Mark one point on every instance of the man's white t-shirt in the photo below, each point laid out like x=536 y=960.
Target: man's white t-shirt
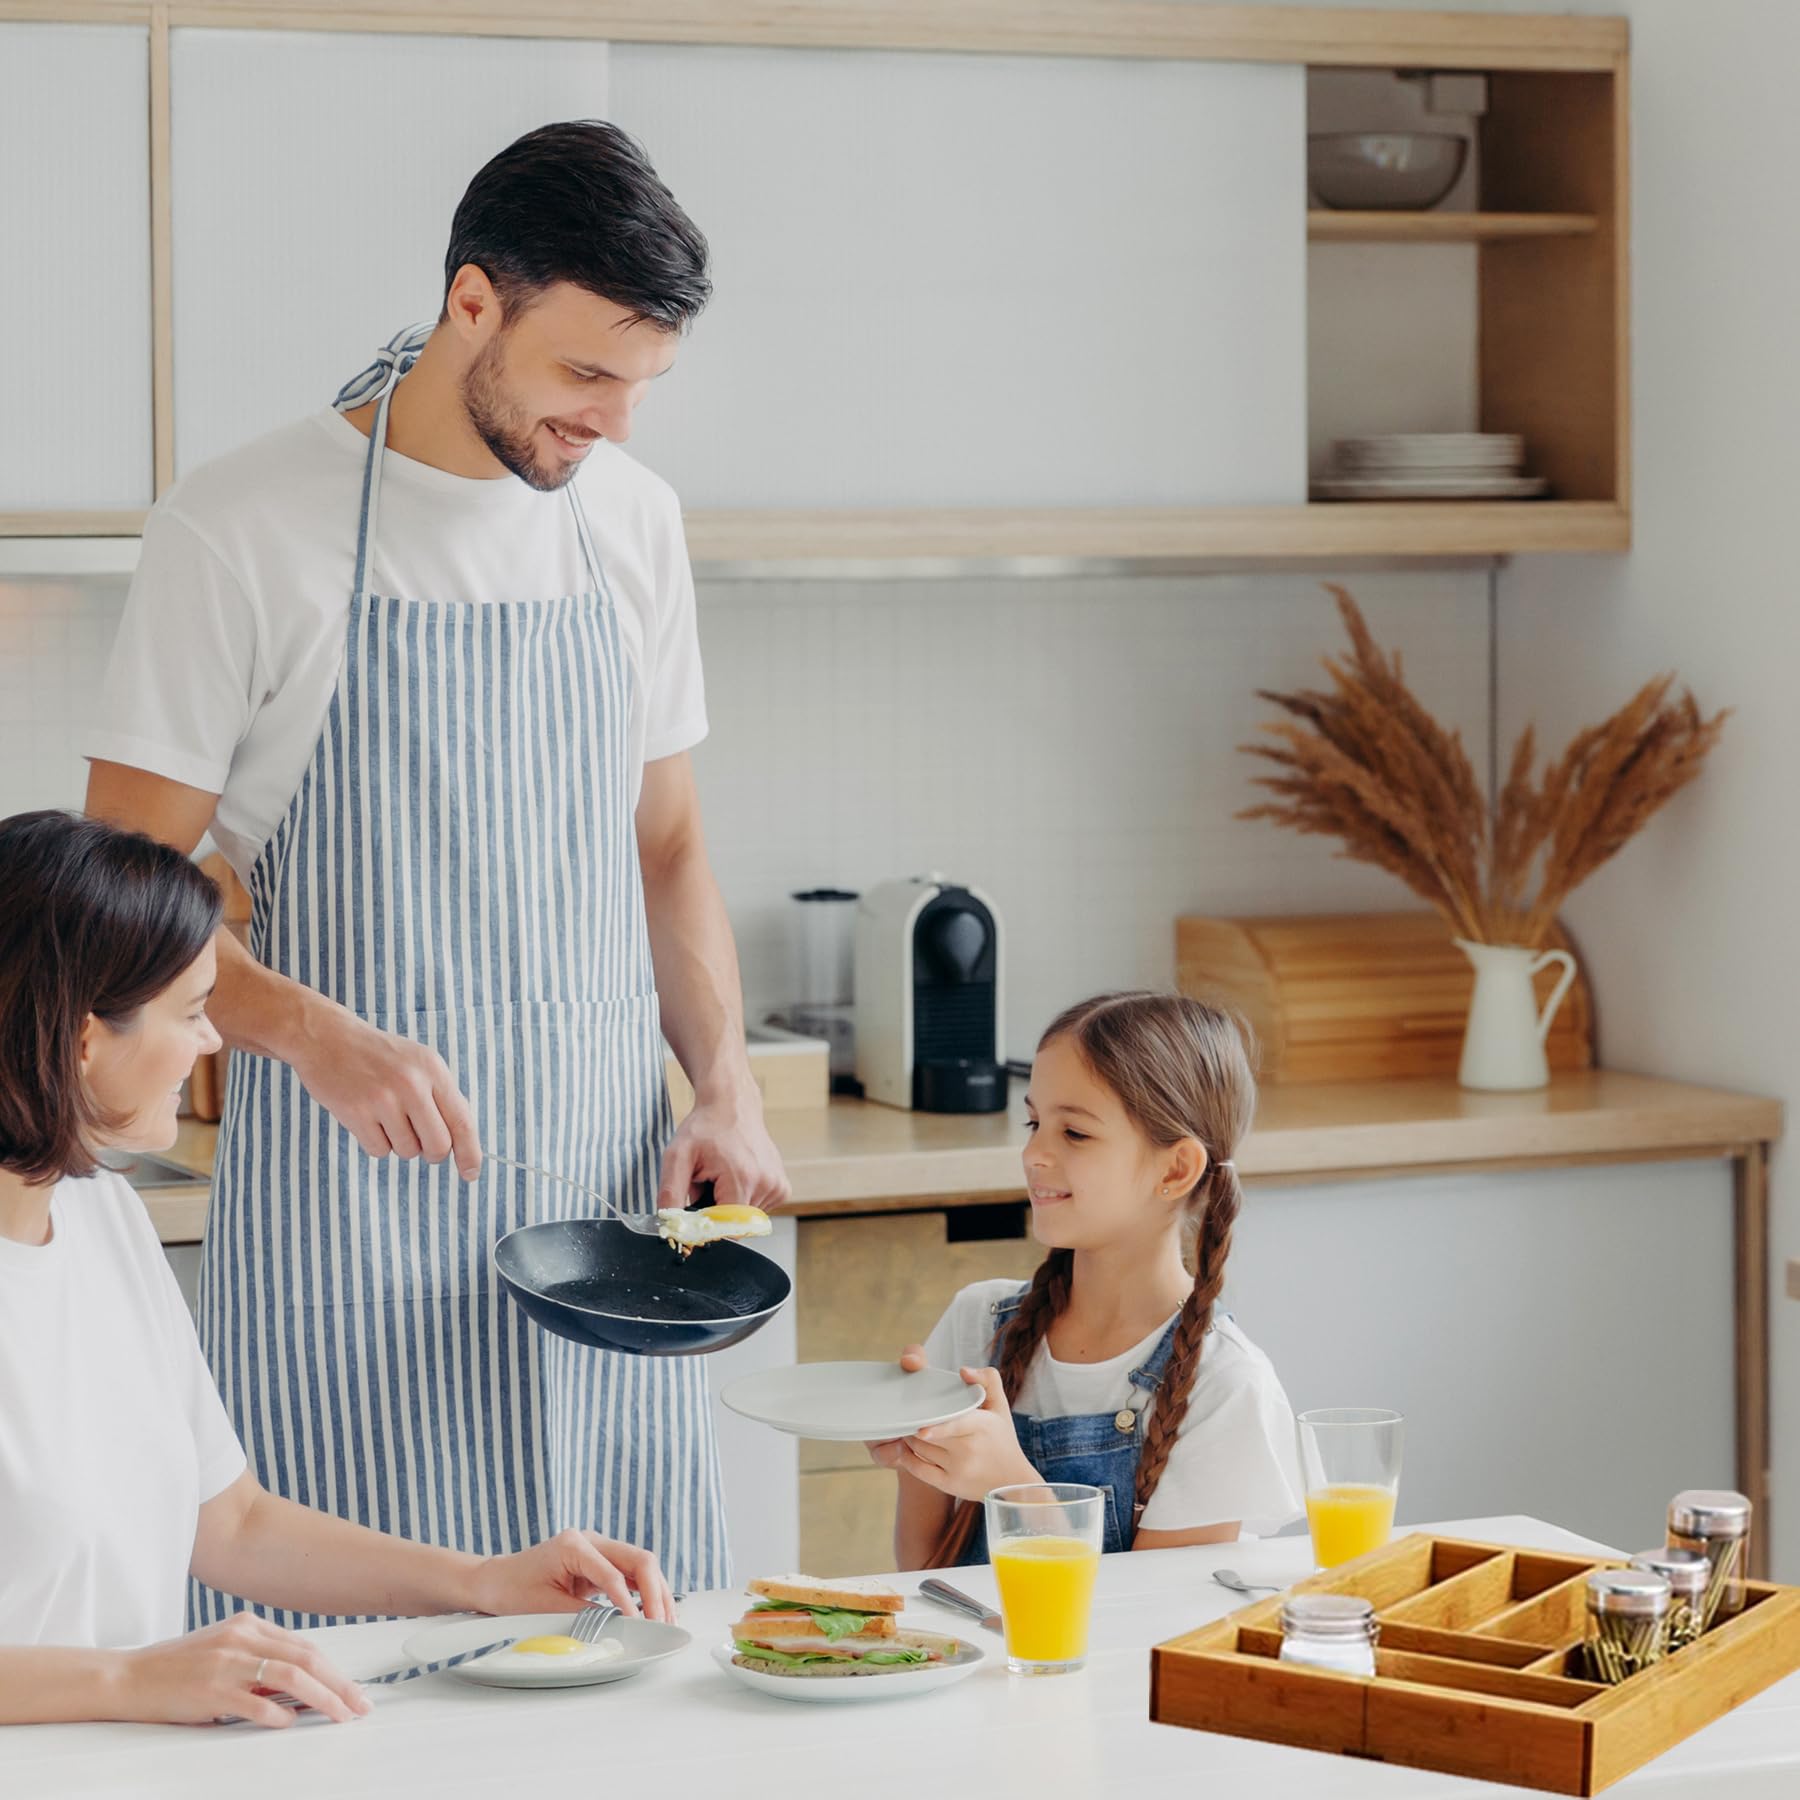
x=233 y=632
x=1234 y=1456
x=112 y=1435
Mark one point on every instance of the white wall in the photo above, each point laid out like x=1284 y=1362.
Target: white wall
x=1689 y=934
x=54 y=637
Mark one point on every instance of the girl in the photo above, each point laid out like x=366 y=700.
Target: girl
x=1109 y=1365
x=119 y=1474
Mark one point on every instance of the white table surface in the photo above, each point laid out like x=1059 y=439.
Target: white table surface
x=684 y=1728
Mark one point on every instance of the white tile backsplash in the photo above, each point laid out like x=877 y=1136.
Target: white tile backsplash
x=1068 y=746
x=54 y=638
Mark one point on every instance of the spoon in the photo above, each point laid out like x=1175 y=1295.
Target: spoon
x=1232 y=1579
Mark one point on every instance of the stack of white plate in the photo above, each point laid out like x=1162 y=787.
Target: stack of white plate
x=1429 y=465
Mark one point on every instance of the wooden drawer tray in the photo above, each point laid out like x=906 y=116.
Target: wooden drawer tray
x=1472 y=1671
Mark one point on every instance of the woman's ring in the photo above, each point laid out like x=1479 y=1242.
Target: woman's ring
x=261 y=1668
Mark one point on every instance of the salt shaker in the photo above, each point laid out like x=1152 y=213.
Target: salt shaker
x=1329 y=1631
x=1688 y=1574
x=1715 y=1522
x=1626 y=1611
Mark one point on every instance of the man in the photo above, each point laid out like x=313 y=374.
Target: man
x=435 y=707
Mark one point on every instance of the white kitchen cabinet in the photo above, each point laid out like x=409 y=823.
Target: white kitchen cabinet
x=981 y=281
x=315 y=175
x=75 y=303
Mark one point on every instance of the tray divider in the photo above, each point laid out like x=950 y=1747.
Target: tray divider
x=1549 y=1616
x=1427 y=1640
x=1460 y=1602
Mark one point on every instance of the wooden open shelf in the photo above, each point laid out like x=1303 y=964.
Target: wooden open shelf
x=1434 y=528
x=1325 y=226
x=1477 y=1671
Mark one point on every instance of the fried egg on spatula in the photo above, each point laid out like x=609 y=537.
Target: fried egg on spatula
x=688 y=1231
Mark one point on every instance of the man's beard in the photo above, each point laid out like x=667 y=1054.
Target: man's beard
x=505 y=428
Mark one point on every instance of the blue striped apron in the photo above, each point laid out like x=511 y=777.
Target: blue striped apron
x=459 y=866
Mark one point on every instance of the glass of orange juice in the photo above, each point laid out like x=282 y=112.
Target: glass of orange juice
x=1044 y=1541
x=1350 y=1459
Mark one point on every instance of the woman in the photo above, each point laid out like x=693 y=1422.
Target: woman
x=119 y=1473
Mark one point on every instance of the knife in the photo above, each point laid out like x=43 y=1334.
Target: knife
x=954 y=1598
x=409 y=1670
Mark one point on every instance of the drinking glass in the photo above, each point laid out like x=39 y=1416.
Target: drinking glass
x=1044 y=1542
x=1350 y=1461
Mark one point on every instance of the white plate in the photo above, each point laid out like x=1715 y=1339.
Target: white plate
x=1430 y=487
x=1487 y=451
x=642 y=1641
x=847 y=1402
x=901 y=1684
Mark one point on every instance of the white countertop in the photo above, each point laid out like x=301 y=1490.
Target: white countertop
x=685 y=1729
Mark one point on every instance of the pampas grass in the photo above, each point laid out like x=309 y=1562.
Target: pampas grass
x=1364 y=762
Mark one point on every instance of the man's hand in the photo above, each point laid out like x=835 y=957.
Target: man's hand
x=726 y=1143
x=395 y=1097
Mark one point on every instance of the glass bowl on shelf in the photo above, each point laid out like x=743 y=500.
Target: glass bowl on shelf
x=1383 y=171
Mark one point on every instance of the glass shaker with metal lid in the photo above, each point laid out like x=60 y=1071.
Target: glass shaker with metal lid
x=1715 y=1522
x=1688 y=1574
x=1626 y=1614
x=1329 y=1631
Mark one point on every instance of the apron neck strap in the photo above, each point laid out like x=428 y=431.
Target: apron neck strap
x=596 y=579
x=371 y=499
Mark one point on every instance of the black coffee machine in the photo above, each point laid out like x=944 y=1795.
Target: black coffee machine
x=928 y=997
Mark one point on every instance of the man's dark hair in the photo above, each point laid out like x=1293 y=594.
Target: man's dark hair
x=92 y=920
x=579 y=202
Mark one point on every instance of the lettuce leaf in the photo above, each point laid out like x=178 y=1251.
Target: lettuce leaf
x=834 y=1622
x=900 y=1654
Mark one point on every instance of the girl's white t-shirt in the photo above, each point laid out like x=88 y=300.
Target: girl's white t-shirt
x=112 y=1435
x=232 y=637
x=1234 y=1456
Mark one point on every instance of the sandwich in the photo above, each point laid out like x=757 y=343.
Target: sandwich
x=809 y=1628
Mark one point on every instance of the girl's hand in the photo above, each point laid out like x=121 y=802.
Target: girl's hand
x=562 y=1572
x=964 y=1457
x=226 y=1670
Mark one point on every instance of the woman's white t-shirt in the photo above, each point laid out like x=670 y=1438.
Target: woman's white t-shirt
x=112 y=1435
x=233 y=632
x=1234 y=1456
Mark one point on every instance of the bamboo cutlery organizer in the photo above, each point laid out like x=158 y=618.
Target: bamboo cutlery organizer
x=1478 y=1671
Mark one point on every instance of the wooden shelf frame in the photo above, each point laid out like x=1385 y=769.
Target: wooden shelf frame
x=1326 y=226
x=1534 y=49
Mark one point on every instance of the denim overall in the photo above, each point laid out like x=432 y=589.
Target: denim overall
x=1100 y=1449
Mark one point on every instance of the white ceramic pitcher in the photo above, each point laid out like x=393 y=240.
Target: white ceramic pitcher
x=1503 y=1046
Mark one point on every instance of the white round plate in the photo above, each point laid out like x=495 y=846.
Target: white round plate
x=847 y=1402
x=901 y=1684
x=642 y=1643
x=1428 y=487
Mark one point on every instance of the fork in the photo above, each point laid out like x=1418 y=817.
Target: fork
x=592 y=1621
x=644 y=1224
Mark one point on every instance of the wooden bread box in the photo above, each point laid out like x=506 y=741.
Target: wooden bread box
x=1358 y=996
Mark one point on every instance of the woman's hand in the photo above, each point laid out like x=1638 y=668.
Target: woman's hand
x=226 y=1671
x=964 y=1457
x=568 y=1569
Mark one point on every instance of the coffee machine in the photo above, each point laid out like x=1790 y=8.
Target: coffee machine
x=929 y=996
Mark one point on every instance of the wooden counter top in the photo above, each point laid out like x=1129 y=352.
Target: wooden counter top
x=853 y=1156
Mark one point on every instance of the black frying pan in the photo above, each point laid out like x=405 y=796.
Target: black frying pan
x=598 y=1282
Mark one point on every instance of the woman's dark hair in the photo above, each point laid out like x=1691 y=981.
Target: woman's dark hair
x=93 y=920
x=579 y=202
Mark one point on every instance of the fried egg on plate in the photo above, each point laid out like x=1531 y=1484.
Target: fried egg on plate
x=552 y=1654
x=709 y=1224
